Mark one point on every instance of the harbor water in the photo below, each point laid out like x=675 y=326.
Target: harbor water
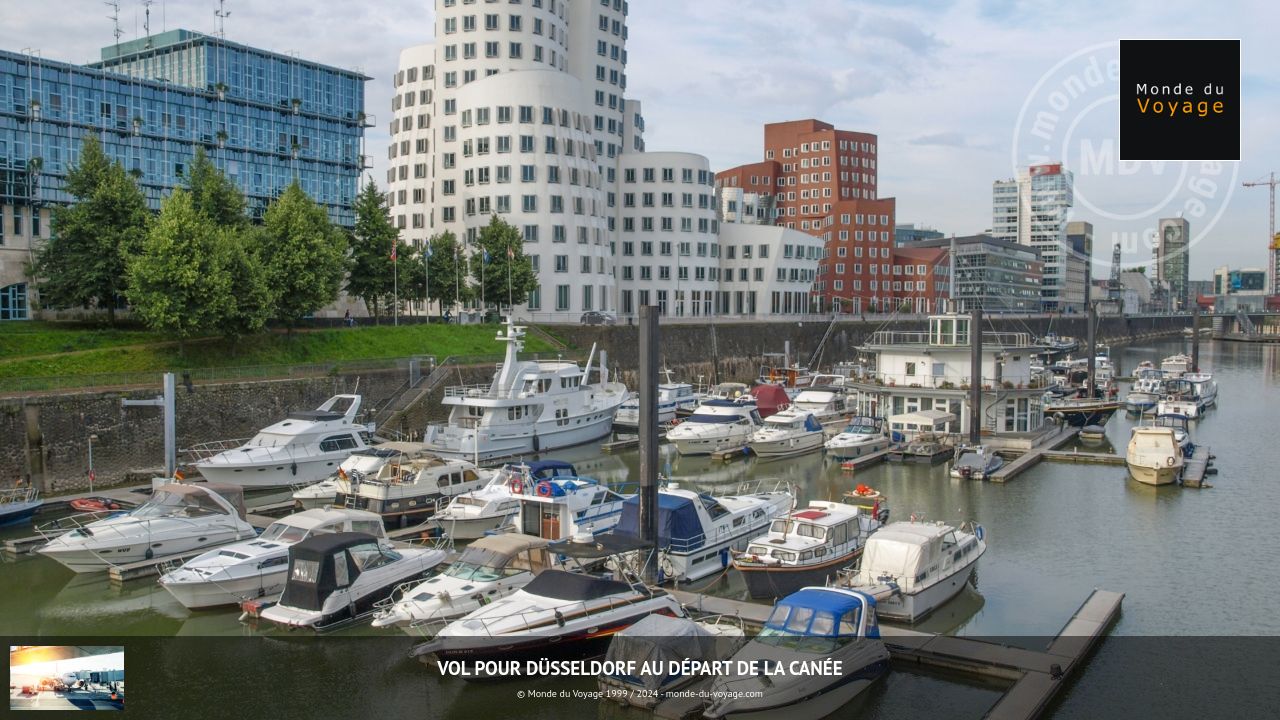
x=1054 y=534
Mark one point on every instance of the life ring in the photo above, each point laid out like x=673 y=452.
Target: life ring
x=863 y=490
x=543 y=489
x=516 y=485
x=1170 y=398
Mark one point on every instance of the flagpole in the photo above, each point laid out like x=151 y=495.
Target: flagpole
x=426 y=278
x=510 y=259
x=457 y=282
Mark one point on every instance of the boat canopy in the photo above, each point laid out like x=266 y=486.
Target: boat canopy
x=544 y=469
x=678 y=522
x=822 y=612
x=521 y=552
x=218 y=498
x=321 y=564
x=562 y=585
x=770 y=398
x=666 y=642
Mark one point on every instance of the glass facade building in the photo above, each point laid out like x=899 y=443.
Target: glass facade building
x=264 y=118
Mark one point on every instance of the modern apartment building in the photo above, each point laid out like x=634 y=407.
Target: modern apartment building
x=823 y=181
x=264 y=118
x=517 y=109
x=907 y=234
x=767 y=269
x=1173 y=260
x=992 y=274
x=1032 y=209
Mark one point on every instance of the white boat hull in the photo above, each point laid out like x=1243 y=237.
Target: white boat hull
x=854 y=450
x=708 y=443
x=97 y=558
x=793 y=445
x=911 y=607
x=1155 y=475
x=470 y=528
x=459 y=443
x=212 y=593
x=1190 y=408
x=277 y=473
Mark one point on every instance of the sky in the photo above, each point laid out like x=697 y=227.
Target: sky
x=110 y=661
x=950 y=87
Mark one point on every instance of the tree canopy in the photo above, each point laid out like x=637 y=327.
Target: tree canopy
x=371 y=272
x=506 y=268
x=305 y=255
x=447 y=270
x=213 y=194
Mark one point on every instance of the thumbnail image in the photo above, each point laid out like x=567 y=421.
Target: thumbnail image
x=66 y=677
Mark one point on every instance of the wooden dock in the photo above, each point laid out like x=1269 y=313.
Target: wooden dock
x=1083 y=457
x=1032 y=457
x=862 y=461
x=1197 y=467
x=1036 y=676
x=731 y=454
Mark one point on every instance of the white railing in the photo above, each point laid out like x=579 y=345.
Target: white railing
x=206 y=450
x=923 y=337
x=476 y=390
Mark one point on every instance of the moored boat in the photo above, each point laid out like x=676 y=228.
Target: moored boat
x=18 y=504
x=976 y=462
x=862 y=436
x=715 y=426
x=1153 y=456
x=790 y=432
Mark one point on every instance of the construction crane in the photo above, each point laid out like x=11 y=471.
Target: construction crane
x=1273 y=247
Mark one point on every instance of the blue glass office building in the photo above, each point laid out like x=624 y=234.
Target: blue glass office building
x=265 y=119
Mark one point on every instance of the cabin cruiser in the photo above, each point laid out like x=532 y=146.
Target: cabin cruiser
x=410 y=492
x=488 y=569
x=715 y=426
x=1181 y=398
x=729 y=391
x=1080 y=411
x=1175 y=365
x=673 y=399
x=258 y=567
x=179 y=518
x=305 y=447
x=473 y=514
x=665 y=641
x=912 y=568
x=335 y=578
x=1145 y=392
x=1181 y=431
x=697 y=532
x=1203 y=387
x=1153 y=456
x=815 y=625
x=559 y=614
x=790 y=432
x=531 y=406
x=806 y=547
x=361 y=464
x=18 y=504
x=862 y=436
x=792 y=378
x=555 y=503
x=828 y=403
x=975 y=462
x=1056 y=345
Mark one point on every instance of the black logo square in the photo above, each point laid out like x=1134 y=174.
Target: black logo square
x=1179 y=99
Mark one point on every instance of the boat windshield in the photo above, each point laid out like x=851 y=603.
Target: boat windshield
x=283 y=532
x=858 y=428
x=481 y=565
x=805 y=629
x=802 y=529
x=167 y=504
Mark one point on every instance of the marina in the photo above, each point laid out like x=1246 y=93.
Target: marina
x=957 y=649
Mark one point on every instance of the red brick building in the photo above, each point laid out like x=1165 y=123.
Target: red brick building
x=823 y=181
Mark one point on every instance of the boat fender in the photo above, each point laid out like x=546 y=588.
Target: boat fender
x=536 y=448
x=148 y=554
x=979 y=532
x=544 y=489
x=293 y=467
x=724 y=557
x=559 y=618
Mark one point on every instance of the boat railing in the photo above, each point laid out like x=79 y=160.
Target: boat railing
x=205 y=450
x=81 y=521
x=19 y=495
x=478 y=390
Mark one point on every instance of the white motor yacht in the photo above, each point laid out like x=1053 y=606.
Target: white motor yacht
x=829 y=403
x=1145 y=392
x=673 y=398
x=179 y=518
x=1203 y=387
x=715 y=426
x=806 y=547
x=975 y=462
x=362 y=463
x=1175 y=365
x=862 y=436
x=531 y=406
x=490 y=568
x=912 y=568
x=814 y=627
x=473 y=514
x=409 y=492
x=258 y=567
x=697 y=533
x=789 y=432
x=1153 y=456
x=558 y=614
x=305 y=447
x=336 y=578
x=555 y=503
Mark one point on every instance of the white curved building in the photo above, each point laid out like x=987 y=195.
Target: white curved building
x=411 y=168
x=668 y=252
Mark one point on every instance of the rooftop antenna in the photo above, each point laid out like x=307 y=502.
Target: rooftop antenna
x=146 y=20
x=114 y=17
x=223 y=13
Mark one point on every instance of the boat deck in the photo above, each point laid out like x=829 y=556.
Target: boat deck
x=1036 y=676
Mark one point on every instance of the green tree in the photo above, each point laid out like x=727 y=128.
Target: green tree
x=371 y=273
x=252 y=300
x=303 y=253
x=447 y=270
x=213 y=194
x=84 y=262
x=178 y=282
x=504 y=246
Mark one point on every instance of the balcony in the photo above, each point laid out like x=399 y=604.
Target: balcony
x=920 y=338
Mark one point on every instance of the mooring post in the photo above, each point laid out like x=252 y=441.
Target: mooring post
x=648 y=377
x=1092 y=319
x=975 y=370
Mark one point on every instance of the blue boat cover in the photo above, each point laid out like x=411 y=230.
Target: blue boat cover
x=819 y=611
x=811 y=424
x=677 y=519
x=543 y=469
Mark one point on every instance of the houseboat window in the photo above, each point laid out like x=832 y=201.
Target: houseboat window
x=305 y=571
x=806 y=555
x=274 y=562
x=841 y=534
x=469 y=476
x=819 y=552
x=739 y=521
x=911 y=369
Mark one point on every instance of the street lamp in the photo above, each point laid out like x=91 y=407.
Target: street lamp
x=92 y=437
